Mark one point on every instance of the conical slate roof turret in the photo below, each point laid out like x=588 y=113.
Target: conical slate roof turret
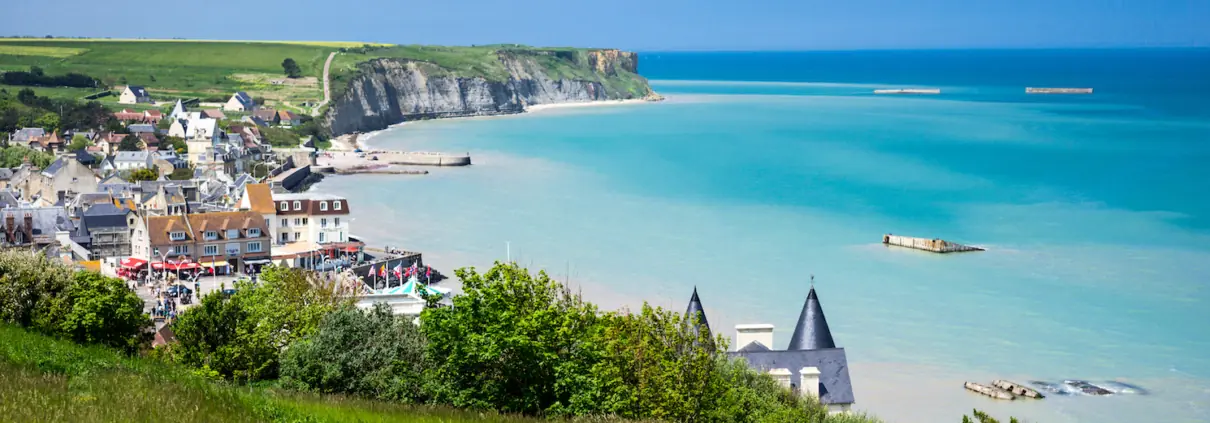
x=695 y=311
x=811 y=332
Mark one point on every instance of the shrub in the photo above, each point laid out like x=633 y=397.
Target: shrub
x=368 y=353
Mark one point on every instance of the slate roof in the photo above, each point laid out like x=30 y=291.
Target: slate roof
x=5 y=174
x=255 y=120
x=695 y=311
x=104 y=215
x=811 y=332
x=8 y=198
x=84 y=157
x=140 y=128
x=138 y=91
x=131 y=156
x=54 y=168
x=244 y=99
x=835 y=387
x=27 y=134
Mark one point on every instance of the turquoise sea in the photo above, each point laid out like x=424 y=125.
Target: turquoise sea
x=761 y=169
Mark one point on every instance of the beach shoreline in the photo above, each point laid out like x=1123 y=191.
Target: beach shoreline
x=350 y=142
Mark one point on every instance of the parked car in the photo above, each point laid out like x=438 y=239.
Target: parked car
x=178 y=290
x=228 y=292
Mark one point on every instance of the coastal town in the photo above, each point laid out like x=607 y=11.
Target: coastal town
x=189 y=199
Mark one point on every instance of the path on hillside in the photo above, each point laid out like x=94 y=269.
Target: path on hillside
x=327 y=88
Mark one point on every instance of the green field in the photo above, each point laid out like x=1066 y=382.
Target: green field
x=172 y=68
x=44 y=379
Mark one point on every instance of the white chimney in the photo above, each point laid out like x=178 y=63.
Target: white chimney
x=782 y=376
x=809 y=381
x=746 y=334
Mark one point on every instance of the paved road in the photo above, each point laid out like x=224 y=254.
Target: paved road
x=327 y=88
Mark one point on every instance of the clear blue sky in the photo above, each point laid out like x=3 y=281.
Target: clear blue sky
x=638 y=24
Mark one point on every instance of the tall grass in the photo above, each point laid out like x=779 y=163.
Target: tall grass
x=45 y=379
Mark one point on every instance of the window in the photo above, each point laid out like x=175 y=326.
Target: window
x=267 y=223
x=232 y=233
x=321 y=238
x=323 y=223
x=177 y=236
x=253 y=232
x=338 y=221
x=336 y=205
x=211 y=235
x=285 y=206
x=323 y=206
x=304 y=221
x=285 y=237
x=254 y=247
x=298 y=205
x=180 y=249
x=211 y=250
x=155 y=252
x=342 y=237
x=285 y=222
x=297 y=236
x=297 y=221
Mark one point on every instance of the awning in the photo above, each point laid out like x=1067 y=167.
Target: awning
x=174 y=266
x=215 y=264
x=260 y=261
x=352 y=249
x=133 y=263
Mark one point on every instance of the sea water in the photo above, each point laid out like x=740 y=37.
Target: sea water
x=763 y=169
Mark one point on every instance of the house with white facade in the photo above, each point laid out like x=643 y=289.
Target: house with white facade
x=306 y=227
x=240 y=102
x=131 y=160
x=133 y=94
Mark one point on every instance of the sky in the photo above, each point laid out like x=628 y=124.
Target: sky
x=651 y=25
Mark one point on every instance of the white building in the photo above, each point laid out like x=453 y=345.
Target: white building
x=306 y=227
x=134 y=94
x=130 y=160
x=240 y=102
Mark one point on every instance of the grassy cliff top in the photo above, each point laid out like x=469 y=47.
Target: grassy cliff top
x=54 y=380
x=210 y=69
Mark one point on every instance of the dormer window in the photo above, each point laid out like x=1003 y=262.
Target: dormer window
x=323 y=206
x=336 y=205
x=253 y=232
x=177 y=236
x=298 y=205
x=232 y=233
x=211 y=235
x=285 y=206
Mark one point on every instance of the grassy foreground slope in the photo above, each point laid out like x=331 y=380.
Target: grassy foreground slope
x=44 y=379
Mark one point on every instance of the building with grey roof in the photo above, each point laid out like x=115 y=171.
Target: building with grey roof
x=130 y=160
x=106 y=229
x=25 y=135
x=33 y=226
x=810 y=365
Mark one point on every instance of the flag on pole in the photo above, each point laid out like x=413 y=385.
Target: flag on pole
x=428 y=271
x=398 y=270
x=382 y=271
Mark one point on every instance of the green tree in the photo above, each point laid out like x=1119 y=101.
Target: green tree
x=291 y=68
x=37 y=71
x=143 y=174
x=513 y=342
x=242 y=337
x=14 y=155
x=105 y=311
x=130 y=143
x=48 y=120
x=31 y=286
x=368 y=353
x=79 y=142
x=280 y=137
x=181 y=174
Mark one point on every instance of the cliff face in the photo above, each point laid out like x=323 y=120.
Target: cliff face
x=386 y=91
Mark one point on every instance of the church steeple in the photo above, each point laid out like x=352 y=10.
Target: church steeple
x=811 y=332
x=695 y=311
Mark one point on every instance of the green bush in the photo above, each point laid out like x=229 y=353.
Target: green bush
x=371 y=353
x=242 y=337
x=85 y=307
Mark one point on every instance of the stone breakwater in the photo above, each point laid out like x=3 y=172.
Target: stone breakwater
x=387 y=91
